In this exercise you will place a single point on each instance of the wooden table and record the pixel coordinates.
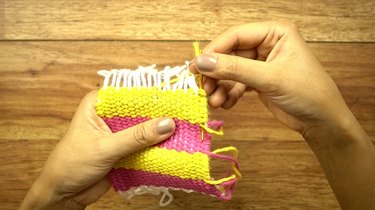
(50, 52)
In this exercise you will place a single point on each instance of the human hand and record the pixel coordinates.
(74, 175)
(273, 59)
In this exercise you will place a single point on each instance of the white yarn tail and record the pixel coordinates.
(165, 199)
(178, 77)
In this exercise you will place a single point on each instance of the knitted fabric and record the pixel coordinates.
(181, 162)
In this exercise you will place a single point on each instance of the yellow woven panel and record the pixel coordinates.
(152, 102)
(171, 162)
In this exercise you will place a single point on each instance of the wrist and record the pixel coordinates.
(347, 156)
(339, 133)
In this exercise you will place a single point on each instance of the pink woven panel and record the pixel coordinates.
(187, 136)
(136, 178)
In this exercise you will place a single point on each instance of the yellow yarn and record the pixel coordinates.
(199, 78)
(234, 154)
(152, 102)
(164, 161)
(197, 50)
(220, 181)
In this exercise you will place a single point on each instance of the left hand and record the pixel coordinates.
(74, 175)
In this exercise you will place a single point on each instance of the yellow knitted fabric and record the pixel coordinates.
(182, 161)
(171, 162)
(152, 102)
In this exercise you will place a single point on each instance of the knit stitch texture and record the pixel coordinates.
(181, 161)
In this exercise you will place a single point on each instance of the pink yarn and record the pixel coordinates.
(187, 136)
(225, 157)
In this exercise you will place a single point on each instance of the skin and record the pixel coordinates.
(74, 175)
(273, 59)
(270, 58)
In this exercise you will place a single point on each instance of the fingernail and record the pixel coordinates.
(164, 126)
(206, 62)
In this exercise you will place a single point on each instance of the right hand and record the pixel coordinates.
(273, 59)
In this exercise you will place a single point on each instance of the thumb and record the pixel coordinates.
(229, 67)
(139, 136)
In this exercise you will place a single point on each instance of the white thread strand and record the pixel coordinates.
(179, 81)
(159, 80)
(114, 75)
(130, 79)
(185, 81)
(125, 77)
(153, 190)
(193, 84)
(166, 194)
(137, 79)
(151, 78)
(166, 78)
(143, 78)
(118, 79)
(106, 74)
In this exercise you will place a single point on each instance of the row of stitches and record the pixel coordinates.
(187, 136)
(123, 179)
(165, 161)
(152, 103)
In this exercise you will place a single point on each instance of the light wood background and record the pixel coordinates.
(50, 52)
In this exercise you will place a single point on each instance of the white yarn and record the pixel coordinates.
(165, 199)
(150, 77)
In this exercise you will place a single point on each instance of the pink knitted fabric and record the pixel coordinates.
(184, 139)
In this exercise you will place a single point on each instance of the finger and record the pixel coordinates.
(251, 54)
(87, 104)
(85, 116)
(248, 36)
(209, 85)
(218, 97)
(139, 136)
(250, 72)
(192, 67)
(233, 95)
(99, 188)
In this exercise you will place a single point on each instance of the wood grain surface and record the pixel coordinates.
(50, 52)
(318, 20)
(43, 82)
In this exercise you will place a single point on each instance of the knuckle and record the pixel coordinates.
(231, 69)
(140, 135)
(91, 94)
(289, 25)
(229, 103)
(90, 97)
(231, 29)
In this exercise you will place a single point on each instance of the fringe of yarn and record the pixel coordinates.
(170, 78)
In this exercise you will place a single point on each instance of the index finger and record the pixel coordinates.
(242, 37)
